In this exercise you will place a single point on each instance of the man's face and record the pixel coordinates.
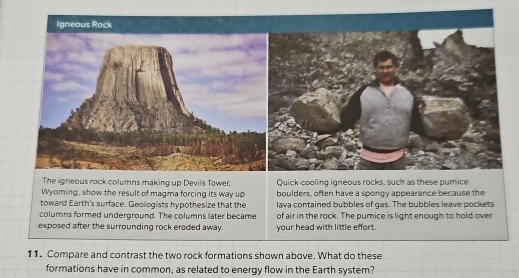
(386, 72)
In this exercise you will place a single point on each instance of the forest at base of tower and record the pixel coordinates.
(63, 148)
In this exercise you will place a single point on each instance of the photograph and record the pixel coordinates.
(154, 102)
(393, 100)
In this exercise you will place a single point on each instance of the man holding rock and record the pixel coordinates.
(387, 112)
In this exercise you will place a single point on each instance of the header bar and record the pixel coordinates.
(269, 24)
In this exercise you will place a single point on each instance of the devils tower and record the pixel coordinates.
(136, 91)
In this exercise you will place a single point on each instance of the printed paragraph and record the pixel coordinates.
(385, 207)
(146, 208)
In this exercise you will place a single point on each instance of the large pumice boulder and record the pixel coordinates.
(445, 118)
(136, 91)
(318, 108)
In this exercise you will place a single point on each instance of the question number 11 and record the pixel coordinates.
(33, 253)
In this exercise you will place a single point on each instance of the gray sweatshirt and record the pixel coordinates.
(385, 122)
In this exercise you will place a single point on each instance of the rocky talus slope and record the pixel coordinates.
(340, 63)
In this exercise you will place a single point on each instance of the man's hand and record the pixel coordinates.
(306, 125)
(420, 103)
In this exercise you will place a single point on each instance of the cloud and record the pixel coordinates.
(78, 71)
(204, 43)
(220, 64)
(68, 97)
(210, 60)
(258, 54)
(68, 67)
(244, 69)
(64, 42)
(50, 76)
(236, 70)
(69, 86)
(244, 100)
(86, 95)
(85, 57)
(191, 43)
(219, 85)
(52, 59)
(87, 75)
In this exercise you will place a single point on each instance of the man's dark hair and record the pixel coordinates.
(383, 56)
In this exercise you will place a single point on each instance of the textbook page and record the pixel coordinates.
(217, 139)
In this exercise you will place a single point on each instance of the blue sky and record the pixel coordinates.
(222, 78)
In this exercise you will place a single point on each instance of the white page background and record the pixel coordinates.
(22, 42)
